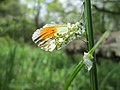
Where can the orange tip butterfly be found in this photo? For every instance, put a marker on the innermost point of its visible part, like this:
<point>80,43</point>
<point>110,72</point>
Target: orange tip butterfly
<point>55,36</point>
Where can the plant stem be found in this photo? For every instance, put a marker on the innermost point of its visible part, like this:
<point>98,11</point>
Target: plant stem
<point>89,35</point>
<point>73,75</point>
<point>99,42</point>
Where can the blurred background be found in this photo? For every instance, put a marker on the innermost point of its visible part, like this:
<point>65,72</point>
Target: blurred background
<point>24,66</point>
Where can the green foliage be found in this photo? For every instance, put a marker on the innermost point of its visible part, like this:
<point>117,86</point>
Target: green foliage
<point>26,67</point>
<point>106,16</point>
<point>14,22</point>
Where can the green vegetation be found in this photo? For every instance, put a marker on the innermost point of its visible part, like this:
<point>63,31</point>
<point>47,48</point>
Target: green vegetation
<point>25,67</point>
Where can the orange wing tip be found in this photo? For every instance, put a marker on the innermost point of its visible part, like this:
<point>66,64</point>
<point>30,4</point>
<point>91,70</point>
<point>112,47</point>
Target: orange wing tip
<point>36,34</point>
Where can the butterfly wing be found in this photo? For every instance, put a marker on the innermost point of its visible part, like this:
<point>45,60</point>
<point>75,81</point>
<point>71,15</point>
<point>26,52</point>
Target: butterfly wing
<point>52,37</point>
<point>44,37</point>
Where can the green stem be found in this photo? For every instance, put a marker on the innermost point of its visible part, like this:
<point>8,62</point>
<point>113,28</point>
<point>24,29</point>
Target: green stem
<point>73,75</point>
<point>89,35</point>
<point>99,42</point>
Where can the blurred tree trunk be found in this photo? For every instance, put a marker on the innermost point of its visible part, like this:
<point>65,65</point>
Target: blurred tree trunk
<point>36,18</point>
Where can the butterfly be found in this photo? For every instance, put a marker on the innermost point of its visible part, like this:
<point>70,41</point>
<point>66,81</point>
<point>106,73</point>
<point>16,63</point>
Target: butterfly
<point>55,36</point>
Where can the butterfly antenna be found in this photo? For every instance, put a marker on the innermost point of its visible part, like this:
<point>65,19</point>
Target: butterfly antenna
<point>82,10</point>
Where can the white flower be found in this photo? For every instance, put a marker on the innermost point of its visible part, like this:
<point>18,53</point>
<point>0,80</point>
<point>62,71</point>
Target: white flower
<point>87,61</point>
